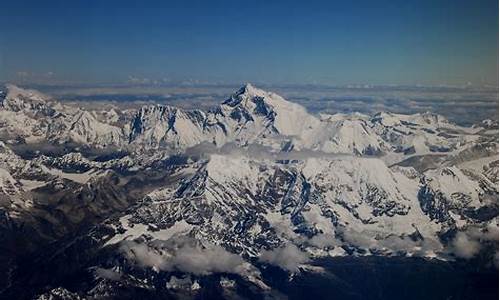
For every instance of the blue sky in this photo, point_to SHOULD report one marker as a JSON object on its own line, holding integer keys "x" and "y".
{"x": 327, "y": 42}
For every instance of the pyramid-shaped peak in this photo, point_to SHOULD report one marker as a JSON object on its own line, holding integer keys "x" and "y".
{"x": 248, "y": 94}
{"x": 250, "y": 90}
{"x": 245, "y": 93}
{"x": 248, "y": 87}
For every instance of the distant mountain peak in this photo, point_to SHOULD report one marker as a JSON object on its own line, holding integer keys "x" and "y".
{"x": 249, "y": 93}
{"x": 16, "y": 91}
{"x": 248, "y": 87}
{"x": 20, "y": 99}
{"x": 243, "y": 94}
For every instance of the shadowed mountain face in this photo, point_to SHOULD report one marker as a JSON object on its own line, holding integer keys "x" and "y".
{"x": 255, "y": 198}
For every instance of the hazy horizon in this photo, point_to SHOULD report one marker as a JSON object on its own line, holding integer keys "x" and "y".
{"x": 465, "y": 105}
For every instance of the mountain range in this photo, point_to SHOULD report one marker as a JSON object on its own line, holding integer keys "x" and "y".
{"x": 165, "y": 202}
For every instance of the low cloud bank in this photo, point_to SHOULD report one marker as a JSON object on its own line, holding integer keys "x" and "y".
{"x": 184, "y": 255}
{"x": 260, "y": 152}
{"x": 287, "y": 257}
{"x": 322, "y": 240}
{"x": 108, "y": 274}
{"x": 391, "y": 243}
{"x": 469, "y": 242}
{"x": 453, "y": 102}
{"x": 466, "y": 244}
{"x": 465, "y": 247}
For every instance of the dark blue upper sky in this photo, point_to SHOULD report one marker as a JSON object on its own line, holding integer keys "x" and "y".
{"x": 333, "y": 42}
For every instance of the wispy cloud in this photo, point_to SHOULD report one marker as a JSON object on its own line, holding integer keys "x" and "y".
{"x": 288, "y": 257}
{"x": 259, "y": 152}
{"x": 469, "y": 242}
{"x": 185, "y": 255}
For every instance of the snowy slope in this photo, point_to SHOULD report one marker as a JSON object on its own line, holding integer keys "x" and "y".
{"x": 248, "y": 205}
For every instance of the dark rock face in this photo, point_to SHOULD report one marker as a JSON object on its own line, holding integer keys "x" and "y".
{"x": 378, "y": 199}
{"x": 435, "y": 205}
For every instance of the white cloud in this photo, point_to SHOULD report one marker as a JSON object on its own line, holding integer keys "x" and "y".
{"x": 464, "y": 246}
{"x": 323, "y": 240}
{"x": 185, "y": 255}
{"x": 108, "y": 274}
{"x": 288, "y": 257}
{"x": 391, "y": 243}
{"x": 468, "y": 243}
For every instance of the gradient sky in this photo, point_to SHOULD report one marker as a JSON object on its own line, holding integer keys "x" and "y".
{"x": 332, "y": 42}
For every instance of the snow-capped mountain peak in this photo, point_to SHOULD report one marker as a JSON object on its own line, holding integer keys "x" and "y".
{"x": 31, "y": 101}
{"x": 288, "y": 118}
